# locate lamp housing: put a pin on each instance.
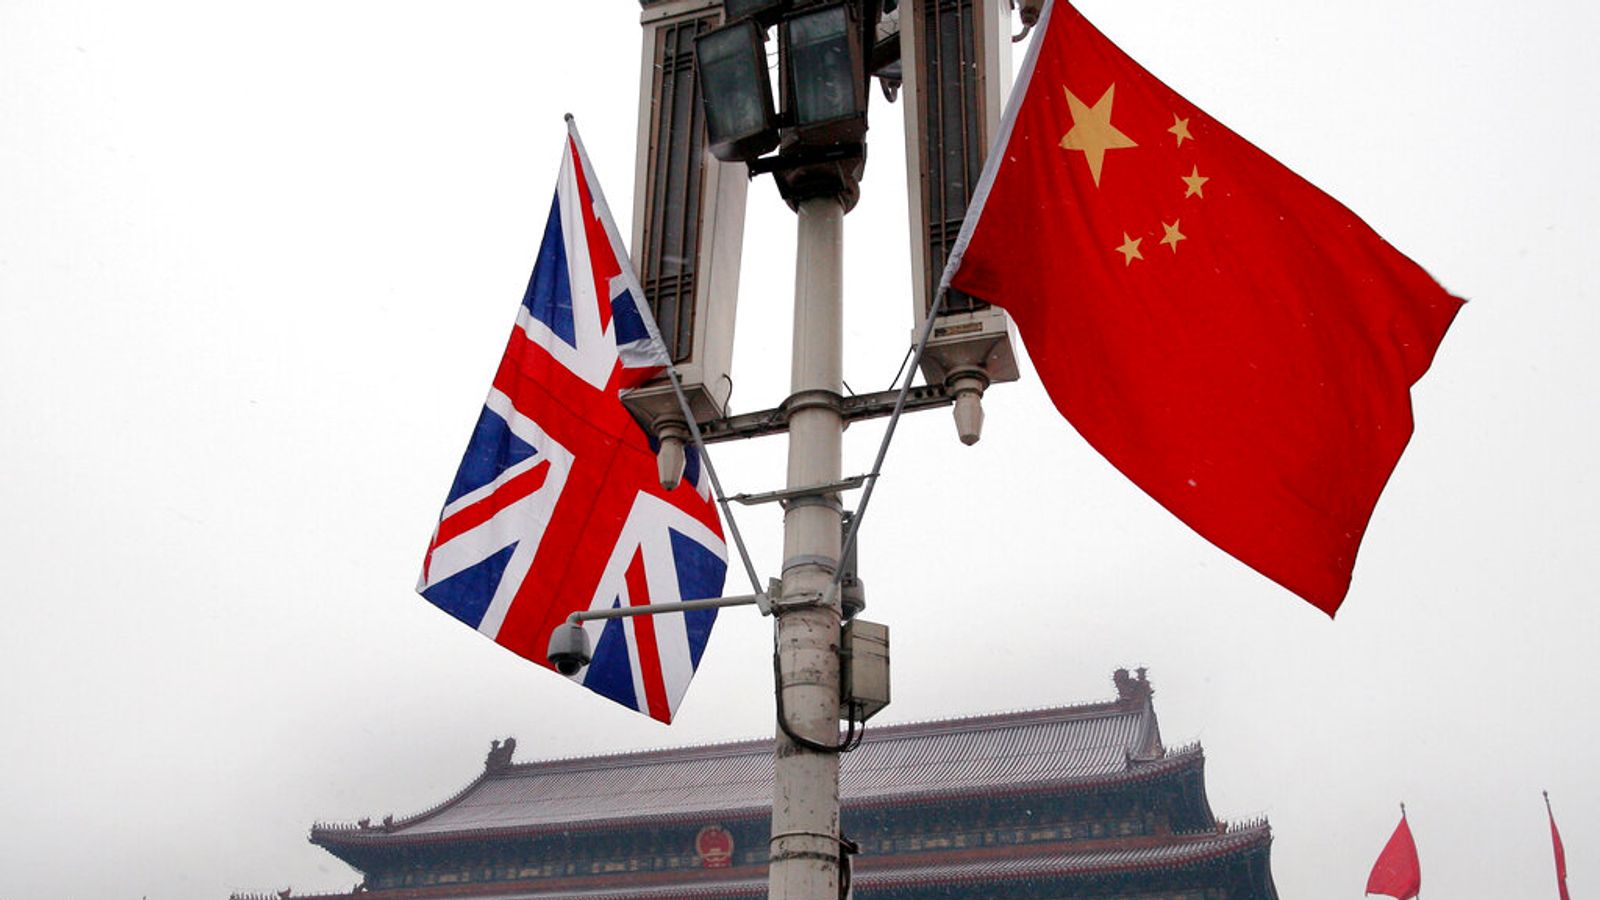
(824, 83)
(731, 62)
(766, 12)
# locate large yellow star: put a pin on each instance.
(1130, 249)
(1196, 183)
(1092, 131)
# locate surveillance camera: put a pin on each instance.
(569, 649)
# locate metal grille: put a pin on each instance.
(675, 186)
(952, 140)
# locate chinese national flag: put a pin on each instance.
(1232, 339)
(1397, 872)
(1561, 852)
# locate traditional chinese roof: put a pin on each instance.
(993, 867)
(1090, 745)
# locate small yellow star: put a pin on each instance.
(1180, 127)
(1173, 235)
(1196, 183)
(1092, 131)
(1130, 249)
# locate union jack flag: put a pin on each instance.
(557, 505)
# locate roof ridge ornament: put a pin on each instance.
(1132, 688)
(499, 755)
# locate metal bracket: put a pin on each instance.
(762, 602)
(852, 409)
(813, 490)
(780, 162)
(802, 600)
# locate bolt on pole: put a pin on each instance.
(805, 845)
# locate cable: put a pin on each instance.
(852, 737)
(901, 370)
(847, 849)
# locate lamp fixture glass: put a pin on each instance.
(825, 73)
(732, 65)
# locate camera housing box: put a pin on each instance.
(864, 669)
(569, 649)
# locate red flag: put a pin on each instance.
(1561, 853)
(1232, 339)
(1397, 872)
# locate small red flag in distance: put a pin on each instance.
(1561, 853)
(1397, 873)
(1232, 339)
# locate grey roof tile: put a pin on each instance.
(1077, 743)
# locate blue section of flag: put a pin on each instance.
(691, 465)
(609, 673)
(492, 450)
(700, 575)
(467, 593)
(549, 294)
(630, 325)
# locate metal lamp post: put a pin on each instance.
(820, 130)
(688, 229)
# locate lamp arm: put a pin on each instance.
(651, 609)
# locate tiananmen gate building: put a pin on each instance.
(1073, 802)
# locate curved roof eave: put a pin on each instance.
(1184, 759)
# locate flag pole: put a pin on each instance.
(1560, 852)
(1418, 895)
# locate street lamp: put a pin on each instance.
(733, 85)
(706, 86)
(824, 77)
(820, 130)
(818, 166)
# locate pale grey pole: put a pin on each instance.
(805, 803)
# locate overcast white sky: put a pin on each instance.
(257, 263)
